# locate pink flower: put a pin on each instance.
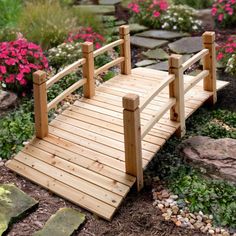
(220, 56)
(10, 79)
(11, 61)
(3, 69)
(214, 11)
(220, 17)
(229, 50)
(156, 14)
(163, 5)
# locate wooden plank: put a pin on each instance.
(86, 158)
(108, 47)
(76, 170)
(84, 186)
(87, 202)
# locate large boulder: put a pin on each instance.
(216, 156)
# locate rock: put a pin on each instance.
(7, 99)
(199, 218)
(192, 221)
(174, 197)
(63, 223)
(186, 45)
(13, 204)
(135, 28)
(211, 231)
(178, 223)
(157, 53)
(165, 194)
(217, 156)
(198, 225)
(225, 233)
(192, 215)
(162, 34)
(109, 2)
(160, 206)
(1, 163)
(147, 42)
(144, 63)
(175, 210)
(160, 66)
(206, 17)
(97, 9)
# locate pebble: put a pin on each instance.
(178, 223)
(199, 218)
(174, 197)
(160, 206)
(211, 231)
(198, 225)
(1, 163)
(175, 210)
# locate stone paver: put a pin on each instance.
(186, 45)
(109, 2)
(7, 99)
(97, 9)
(160, 66)
(13, 203)
(144, 63)
(162, 34)
(63, 223)
(147, 42)
(157, 53)
(135, 28)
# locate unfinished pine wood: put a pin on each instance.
(40, 104)
(83, 156)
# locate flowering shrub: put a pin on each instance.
(148, 12)
(226, 54)
(180, 18)
(224, 12)
(86, 34)
(158, 14)
(18, 60)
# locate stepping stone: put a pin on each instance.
(120, 22)
(187, 45)
(7, 99)
(144, 63)
(157, 53)
(136, 28)
(147, 42)
(165, 65)
(13, 204)
(109, 2)
(97, 9)
(162, 34)
(160, 66)
(63, 223)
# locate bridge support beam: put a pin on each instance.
(132, 138)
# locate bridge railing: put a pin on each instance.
(41, 84)
(134, 133)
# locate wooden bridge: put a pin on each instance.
(96, 150)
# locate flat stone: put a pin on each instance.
(217, 156)
(97, 9)
(186, 45)
(147, 42)
(144, 63)
(157, 53)
(63, 223)
(13, 204)
(120, 22)
(206, 17)
(135, 28)
(160, 66)
(109, 2)
(7, 99)
(162, 34)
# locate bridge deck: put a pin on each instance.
(82, 158)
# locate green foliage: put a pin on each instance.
(197, 4)
(209, 196)
(10, 12)
(46, 23)
(16, 128)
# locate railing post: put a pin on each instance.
(176, 90)
(40, 104)
(88, 69)
(132, 138)
(125, 50)
(209, 63)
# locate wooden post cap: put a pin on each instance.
(209, 37)
(175, 60)
(124, 29)
(39, 77)
(131, 102)
(87, 47)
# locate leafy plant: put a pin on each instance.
(197, 4)
(224, 12)
(46, 23)
(19, 59)
(148, 12)
(10, 12)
